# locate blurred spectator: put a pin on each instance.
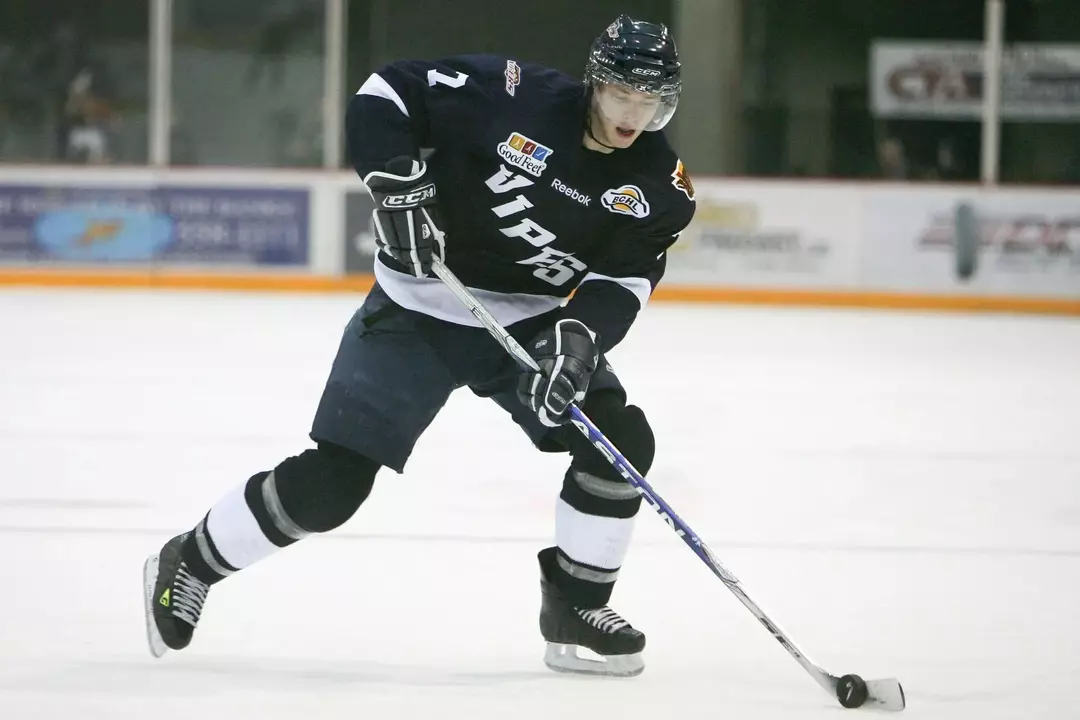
(948, 166)
(88, 119)
(72, 84)
(892, 159)
(68, 72)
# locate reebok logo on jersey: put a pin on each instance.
(626, 200)
(524, 153)
(513, 77)
(571, 192)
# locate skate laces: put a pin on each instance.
(189, 594)
(604, 619)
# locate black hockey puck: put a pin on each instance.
(851, 691)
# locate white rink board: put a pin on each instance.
(761, 235)
(769, 235)
(1029, 242)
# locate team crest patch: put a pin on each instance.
(524, 153)
(681, 180)
(626, 200)
(513, 77)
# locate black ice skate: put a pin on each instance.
(599, 630)
(173, 599)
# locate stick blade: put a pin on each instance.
(885, 695)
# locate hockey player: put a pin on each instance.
(538, 187)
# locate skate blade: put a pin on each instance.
(153, 637)
(564, 658)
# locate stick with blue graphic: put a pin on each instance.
(851, 690)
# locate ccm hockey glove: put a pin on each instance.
(567, 356)
(406, 218)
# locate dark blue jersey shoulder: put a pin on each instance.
(413, 104)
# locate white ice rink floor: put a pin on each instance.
(901, 492)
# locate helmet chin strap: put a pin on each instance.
(588, 129)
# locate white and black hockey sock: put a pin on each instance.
(594, 523)
(313, 492)
(247, 525)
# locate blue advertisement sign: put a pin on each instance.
(164, 224)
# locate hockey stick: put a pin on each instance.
(851, 690)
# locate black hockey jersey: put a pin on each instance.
(530, 215)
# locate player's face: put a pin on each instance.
(619, 114)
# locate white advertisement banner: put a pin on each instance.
(756, 234)
(942, 81)
(991, 243)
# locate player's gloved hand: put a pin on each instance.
(567, 356)
(406, 217)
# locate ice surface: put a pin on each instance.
(900, 492)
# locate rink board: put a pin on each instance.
(875, 245)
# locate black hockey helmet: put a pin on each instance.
(640, 56)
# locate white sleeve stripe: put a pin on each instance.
(414, 252)
(376, 86)
(378, 173)
(641, 287)
(555, 372)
